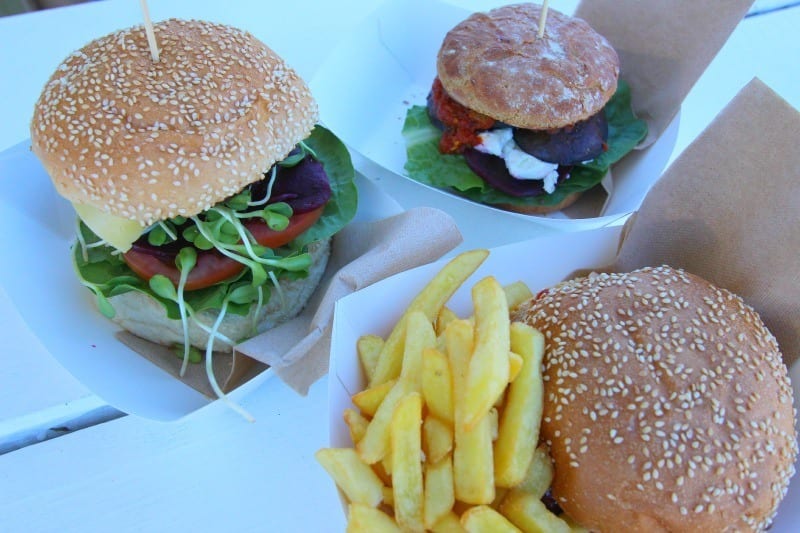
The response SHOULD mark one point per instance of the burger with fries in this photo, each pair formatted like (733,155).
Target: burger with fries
(641,401)
(206,193)
(521,119)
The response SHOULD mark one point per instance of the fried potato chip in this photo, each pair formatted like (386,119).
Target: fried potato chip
(407,485)
(368,400)
(484,519)
(517,293)
(430,300)
(437,439)
(473,465)
(445,316)
(530,515)
(488,367)
(355,478)
(437,384)
(439,493)
(368,348)
(539,476)
(375,443)
(365,519)
(419,337)
(449,523)
(356,423)
(522,412)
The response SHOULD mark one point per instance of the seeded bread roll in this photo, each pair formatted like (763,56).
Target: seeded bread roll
(495,64)
(667,404)
(153,140)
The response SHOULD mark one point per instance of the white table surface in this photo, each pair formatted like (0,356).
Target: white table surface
(212,470)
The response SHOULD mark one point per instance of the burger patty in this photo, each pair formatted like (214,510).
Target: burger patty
(567,146)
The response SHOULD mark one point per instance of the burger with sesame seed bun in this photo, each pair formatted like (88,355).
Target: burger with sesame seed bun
(667,405)
(206,193)
(520,121)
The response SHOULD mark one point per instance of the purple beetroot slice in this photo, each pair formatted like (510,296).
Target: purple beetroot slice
(574,144)
(492,169)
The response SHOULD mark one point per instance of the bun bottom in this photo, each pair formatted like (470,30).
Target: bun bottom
(541,209)
(146,318)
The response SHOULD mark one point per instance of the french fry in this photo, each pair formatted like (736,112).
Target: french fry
(539,476)
(439,495)
(375,443)
(356,479)
(514,365)
(368,400)
(522,413)
(494,423)
(430,300)
(365,519)
(445,316)
(407,485)
(368,348)
(516,293)
(488,368)
(530,515)
(419,337)
(437,439)
(356,423)
(449,523)
(437,387)
(484,519)
(473,466)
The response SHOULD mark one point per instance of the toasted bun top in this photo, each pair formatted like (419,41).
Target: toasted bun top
(667,404)
(149,140)
(495,63)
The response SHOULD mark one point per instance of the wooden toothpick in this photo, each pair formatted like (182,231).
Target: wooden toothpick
(542,19)
(148,28)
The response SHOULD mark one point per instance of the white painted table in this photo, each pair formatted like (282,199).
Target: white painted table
(212,471)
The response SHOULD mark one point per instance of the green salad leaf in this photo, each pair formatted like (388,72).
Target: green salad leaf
(102,269)
(427,165)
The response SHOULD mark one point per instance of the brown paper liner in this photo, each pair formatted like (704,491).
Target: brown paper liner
(664,47)
(728,210)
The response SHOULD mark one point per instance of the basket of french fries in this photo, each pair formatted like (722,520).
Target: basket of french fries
(443,433)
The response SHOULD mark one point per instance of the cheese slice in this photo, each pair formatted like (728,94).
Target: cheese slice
(117,231)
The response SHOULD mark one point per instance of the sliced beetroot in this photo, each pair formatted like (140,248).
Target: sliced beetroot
(574,144)
(303,186)
(492,170)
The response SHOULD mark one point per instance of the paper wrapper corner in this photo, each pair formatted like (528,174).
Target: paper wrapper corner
(728,210)
(664,47)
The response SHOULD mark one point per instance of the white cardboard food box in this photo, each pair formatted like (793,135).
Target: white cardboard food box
(40,281)
(540,263)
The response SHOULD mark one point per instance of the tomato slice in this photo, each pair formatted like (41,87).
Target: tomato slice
(213,267)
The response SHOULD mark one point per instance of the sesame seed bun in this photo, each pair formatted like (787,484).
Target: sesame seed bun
(146,318)
(147,140)
(667,404)
(494,63)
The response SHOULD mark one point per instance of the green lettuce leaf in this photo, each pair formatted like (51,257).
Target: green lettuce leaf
(427,165)
(104,271)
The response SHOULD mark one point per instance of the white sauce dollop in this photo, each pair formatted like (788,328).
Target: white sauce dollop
(521,165)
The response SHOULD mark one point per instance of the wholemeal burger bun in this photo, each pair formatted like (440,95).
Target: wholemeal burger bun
(667,404)
(494,63)
(147,140)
